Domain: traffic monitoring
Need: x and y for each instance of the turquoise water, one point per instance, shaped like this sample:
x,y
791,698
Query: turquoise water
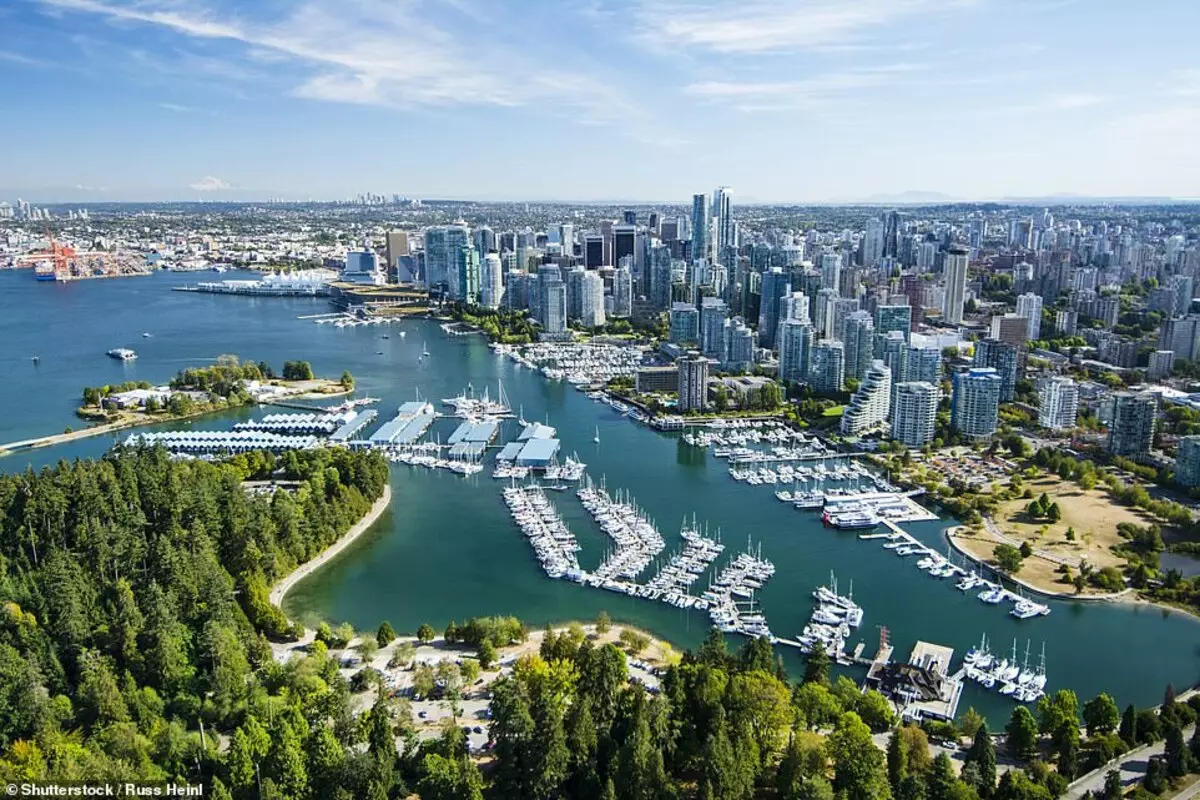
x,y
447,548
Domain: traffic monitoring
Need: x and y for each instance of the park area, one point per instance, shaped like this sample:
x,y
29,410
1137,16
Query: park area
x,y
1084,529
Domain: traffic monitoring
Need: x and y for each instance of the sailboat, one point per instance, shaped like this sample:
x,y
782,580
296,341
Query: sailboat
x,y
521,416
424,350
596,438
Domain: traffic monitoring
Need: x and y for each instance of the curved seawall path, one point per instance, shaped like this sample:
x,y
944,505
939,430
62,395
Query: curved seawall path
x,y
312,565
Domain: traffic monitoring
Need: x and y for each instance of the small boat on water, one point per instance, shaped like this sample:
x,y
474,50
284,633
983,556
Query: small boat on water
x,y
596,438
122,354
146,335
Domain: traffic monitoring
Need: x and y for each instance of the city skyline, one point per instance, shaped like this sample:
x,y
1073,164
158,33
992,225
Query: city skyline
x,y
814,102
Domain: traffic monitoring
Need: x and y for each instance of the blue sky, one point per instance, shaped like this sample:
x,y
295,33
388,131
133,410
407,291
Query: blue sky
x,y
782,100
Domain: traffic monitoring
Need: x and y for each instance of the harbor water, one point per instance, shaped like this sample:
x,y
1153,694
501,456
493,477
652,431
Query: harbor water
x,y
447,548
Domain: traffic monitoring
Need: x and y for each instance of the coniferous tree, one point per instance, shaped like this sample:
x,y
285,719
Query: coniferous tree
x,y
983,756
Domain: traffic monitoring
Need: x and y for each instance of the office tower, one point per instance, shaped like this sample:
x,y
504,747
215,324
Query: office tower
x,y
624,241
1187,462
693,382
775,287
1066,322
668,231
593,250
1181,335
956,285
870,403
831,271
1131,432
1004,359
975,403
396,245
517,290
566,235
592,300
607,228
923,364
760,257
871,246
738,350
1058,403
467,266
629,217
1030,307
894,318
622,292
362,267
835,317
484,239
660,277
701,218
859,338
795,347
713,313
891,234
442,243
827,368
914,412
685,324
1010,329
491,290
552,300
1161,364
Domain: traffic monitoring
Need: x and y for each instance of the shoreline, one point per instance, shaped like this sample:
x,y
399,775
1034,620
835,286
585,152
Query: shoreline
x,y
140,420
281,588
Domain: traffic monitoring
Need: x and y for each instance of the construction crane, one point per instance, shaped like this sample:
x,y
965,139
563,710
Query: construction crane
x,y
60,257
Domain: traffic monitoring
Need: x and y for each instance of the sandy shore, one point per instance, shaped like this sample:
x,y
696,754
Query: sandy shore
x,y
281,588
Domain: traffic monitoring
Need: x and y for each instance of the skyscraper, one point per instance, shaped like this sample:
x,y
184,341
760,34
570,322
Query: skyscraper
x,y
467,265
923,364
1131,433
701,219
685,324
592,300
738,350
894,318
859,338
827,368
975,405
870,403
660,277
775,287
566,235
1011,329
622,292
1187,462
914,412
573,278
552,304
956,285
835,318
491,289
831,271
795,348
724,222
396,245
713,313
1058,403
624,240
1004,359
593,250
442,243
693,382
1030,306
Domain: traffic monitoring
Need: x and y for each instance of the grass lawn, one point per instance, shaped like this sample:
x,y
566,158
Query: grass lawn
x,y
835,411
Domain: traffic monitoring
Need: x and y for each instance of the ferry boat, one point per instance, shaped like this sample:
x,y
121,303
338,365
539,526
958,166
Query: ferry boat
x,y
122,354
853,521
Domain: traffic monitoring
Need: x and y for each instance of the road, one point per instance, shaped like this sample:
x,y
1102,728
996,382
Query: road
x,y
1132,768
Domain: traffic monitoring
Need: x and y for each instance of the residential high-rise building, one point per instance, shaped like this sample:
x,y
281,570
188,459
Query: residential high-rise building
x,y
592,300
701,219
775,287
685,324
738,352
713,313
552,300
566,236
831,271
975,404
892,350
1005,359
724,228
923,364
859,338
484,239
517,290
1181,286
622,292
491,284
659,294
1131,433
573,278
956,285
1030,306
1066,322
1161,364
1058,402
442,243
823,310
1187,462
827,368
467,265
870,403
795,348
1181,335
914,412
693,382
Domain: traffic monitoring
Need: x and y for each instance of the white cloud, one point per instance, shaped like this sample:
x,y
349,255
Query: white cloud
x,y
818,91
1076,100
758,26
176,107
17,58
209,184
